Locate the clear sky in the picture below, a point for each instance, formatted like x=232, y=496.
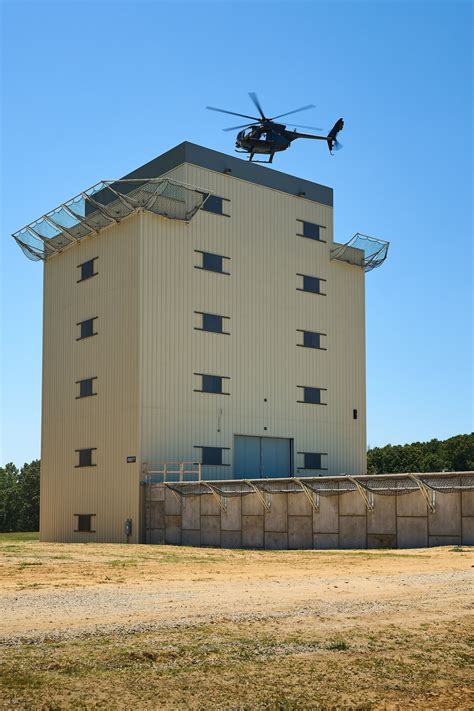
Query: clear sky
x=92, y=90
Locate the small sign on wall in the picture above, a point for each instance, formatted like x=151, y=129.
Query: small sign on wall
x=131, y=460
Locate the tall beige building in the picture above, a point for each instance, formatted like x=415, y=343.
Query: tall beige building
x=196, y=310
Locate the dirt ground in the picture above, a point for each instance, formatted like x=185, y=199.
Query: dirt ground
x=164, y=627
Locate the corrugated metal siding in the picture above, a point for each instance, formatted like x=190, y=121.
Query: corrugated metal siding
x=107, y=421
x=147, y=350
x=265, y=309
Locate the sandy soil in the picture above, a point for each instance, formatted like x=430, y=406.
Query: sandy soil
x=319, y=613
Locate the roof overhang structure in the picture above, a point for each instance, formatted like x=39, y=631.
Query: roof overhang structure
x=106, y=203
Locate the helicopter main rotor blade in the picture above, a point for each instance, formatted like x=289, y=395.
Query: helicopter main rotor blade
x=255, y=100
x=223, y=111
x=303, y=108
x=245, y=125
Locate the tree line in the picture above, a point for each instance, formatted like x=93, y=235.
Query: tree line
x=20, y=488
x=455, y=454
x=19, y=497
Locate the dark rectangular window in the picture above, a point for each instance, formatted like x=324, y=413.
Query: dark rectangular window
x=214, y=203
x=211, y=455
x=212, y=262
x=311, y=339
x=313, y=460
x=311, y=230
x=87, y=328
x=85, y=457
x=312, y=396
x=86, y=387
x=87, y=269
x=211, y=384
x=311, y=284
x=354, y=414
x=84, y=523
x=212, y=323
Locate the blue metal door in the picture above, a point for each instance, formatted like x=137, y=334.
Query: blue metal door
x=246, y=457
x=261, y=457
x=275, y=457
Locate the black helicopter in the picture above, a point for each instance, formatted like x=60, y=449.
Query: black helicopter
x=264, y=136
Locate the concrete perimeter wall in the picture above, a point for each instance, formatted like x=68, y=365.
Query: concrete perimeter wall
x=342, y=521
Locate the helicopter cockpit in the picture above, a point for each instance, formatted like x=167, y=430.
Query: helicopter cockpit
x=255, y=133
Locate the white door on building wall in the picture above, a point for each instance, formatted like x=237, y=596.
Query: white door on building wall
x=261, y=457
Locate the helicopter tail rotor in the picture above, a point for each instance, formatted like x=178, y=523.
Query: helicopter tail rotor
x=333, y=143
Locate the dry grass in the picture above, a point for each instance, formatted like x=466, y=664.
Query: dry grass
x=255, y=630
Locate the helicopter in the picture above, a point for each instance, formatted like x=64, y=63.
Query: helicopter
x=264, y=136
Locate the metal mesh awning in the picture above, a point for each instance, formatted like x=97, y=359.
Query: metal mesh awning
x=362, y=251
x=103, y=204
x=381, y=484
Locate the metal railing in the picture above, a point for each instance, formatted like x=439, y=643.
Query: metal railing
x=173, y=469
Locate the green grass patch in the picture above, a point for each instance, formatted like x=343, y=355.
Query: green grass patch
x=19, y=536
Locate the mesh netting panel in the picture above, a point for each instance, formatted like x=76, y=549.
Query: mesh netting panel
x=449, y=484
x=104, y=204
x=389, y=487
x=325, y=486
x=362, y=250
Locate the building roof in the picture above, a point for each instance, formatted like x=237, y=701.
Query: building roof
x=150, y=188
x=236, y=167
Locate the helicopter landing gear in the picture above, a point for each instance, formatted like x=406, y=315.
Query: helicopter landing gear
x=270, y=160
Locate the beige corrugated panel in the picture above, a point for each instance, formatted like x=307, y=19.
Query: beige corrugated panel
x=147, y=350
x=108, y=421
x=264, y=308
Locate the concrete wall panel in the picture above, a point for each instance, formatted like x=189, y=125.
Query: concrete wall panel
x=444, y=541
x=412, y=531
x=276, y=518
x=446, y=519
x=209, y=505
x=173, y=530
x=210, y=530
x=191, y=512
x=157, y=493
x=231, y=519
x=383, y=519
x=352, y=532
x=252, y=531
x=157, y=536
x=351, y=504
x=321, y=529
x=325, y=541
x=326, y=520
x=467, y=503
x=190, y=537
x=468, y=530
x=276, y=540
x=251, y=505
x=411, y=504
x=298, y=505
x=172, y=503
x=300, y=531
x=231, y=539
x=381, y=540
x=157, y=514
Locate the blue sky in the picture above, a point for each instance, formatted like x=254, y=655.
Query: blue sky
x=93, y=90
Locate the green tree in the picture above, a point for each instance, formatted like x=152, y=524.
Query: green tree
x=453, y=454
x=19, y=497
